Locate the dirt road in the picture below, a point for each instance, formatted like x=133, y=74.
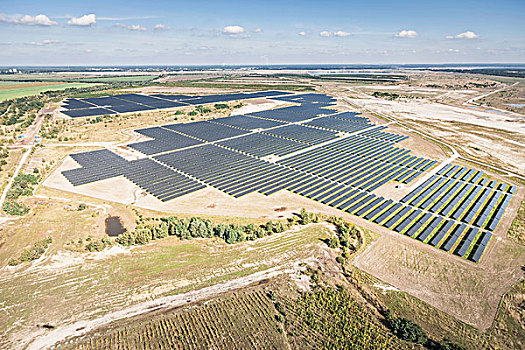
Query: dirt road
x=83, y=327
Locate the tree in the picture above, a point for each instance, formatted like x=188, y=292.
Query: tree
x=406, y=329
x=333, y=242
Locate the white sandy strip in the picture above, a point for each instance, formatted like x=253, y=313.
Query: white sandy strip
x=6, y=189
x=82, y=327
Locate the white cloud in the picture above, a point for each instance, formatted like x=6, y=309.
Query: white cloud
x=302, y=33
x=38, y=20
x=84, y=21
x=233, y=30
x=125, y=18
x=133, y=27
x=257, y=30
x=325, y=33
x=406, y=34
x=465, y=35
x=161, y=27
x=44, y=42
x=340, y=33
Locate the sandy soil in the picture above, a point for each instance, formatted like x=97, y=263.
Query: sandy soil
x=436, y=111
x=498, y=137
x=83, y=327
x=208, y=201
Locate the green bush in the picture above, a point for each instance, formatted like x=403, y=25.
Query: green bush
x=98, y=245
x=333, y=242
x=196, y=227
x=446, y=344
x=14, y=208
x=32, y=253
x=406, y=329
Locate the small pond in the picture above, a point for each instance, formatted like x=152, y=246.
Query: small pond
x=114, y=226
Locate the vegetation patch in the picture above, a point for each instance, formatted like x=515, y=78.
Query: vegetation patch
x=195, y=227
x=32, y=253
x=22, y=186
x=330, y=318
x=243, y=320
x=517, y=229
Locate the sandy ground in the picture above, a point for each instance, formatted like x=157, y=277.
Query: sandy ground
x=83, y=327
x=207, y=201
x=436, y=111
x=479, y=133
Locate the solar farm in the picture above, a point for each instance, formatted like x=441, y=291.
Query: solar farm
x=128, y=103
x=335, y=158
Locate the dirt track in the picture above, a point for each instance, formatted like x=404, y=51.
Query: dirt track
x=83, y=327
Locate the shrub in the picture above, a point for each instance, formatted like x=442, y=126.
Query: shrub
x=333, y=242
x=14, y=208
x=406, y=329
x=33, y=253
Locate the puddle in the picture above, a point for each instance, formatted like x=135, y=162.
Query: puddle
x=114, y=226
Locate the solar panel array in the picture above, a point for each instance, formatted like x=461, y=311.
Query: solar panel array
x=454, y=210
x=126, y=103
x=163, y=140
x=155, y=178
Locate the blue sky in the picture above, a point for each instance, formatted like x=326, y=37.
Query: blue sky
x=260, y=32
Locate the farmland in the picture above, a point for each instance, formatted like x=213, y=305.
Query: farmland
x=9, y=90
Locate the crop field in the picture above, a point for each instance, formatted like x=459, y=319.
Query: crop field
x=123, y=277
x=338, y=159
x=245, y=320
x=30, y=89
x=81, y=78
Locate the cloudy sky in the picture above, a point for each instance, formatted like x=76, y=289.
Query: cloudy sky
x=260, y=32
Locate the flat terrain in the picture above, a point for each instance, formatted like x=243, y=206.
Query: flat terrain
x=478, y=305
x=17, y=89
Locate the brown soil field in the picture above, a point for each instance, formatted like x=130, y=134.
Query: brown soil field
x=26, y=85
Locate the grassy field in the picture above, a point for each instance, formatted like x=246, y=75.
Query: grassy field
x=92, y=285
x=6, y=94
x=119, y=79
x=75, y=78
x=517, y=230
x=506, y=332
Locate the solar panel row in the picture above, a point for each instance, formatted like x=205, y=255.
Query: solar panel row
x=155, y=178
x=377, y=134
x=262, y=145
x=163, y=140
x=341, y=173
x=126, y=103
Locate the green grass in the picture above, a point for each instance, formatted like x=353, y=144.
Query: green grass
x=35, y=90
x=20, y=78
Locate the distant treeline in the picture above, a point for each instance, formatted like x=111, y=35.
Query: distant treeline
x=511, y=73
